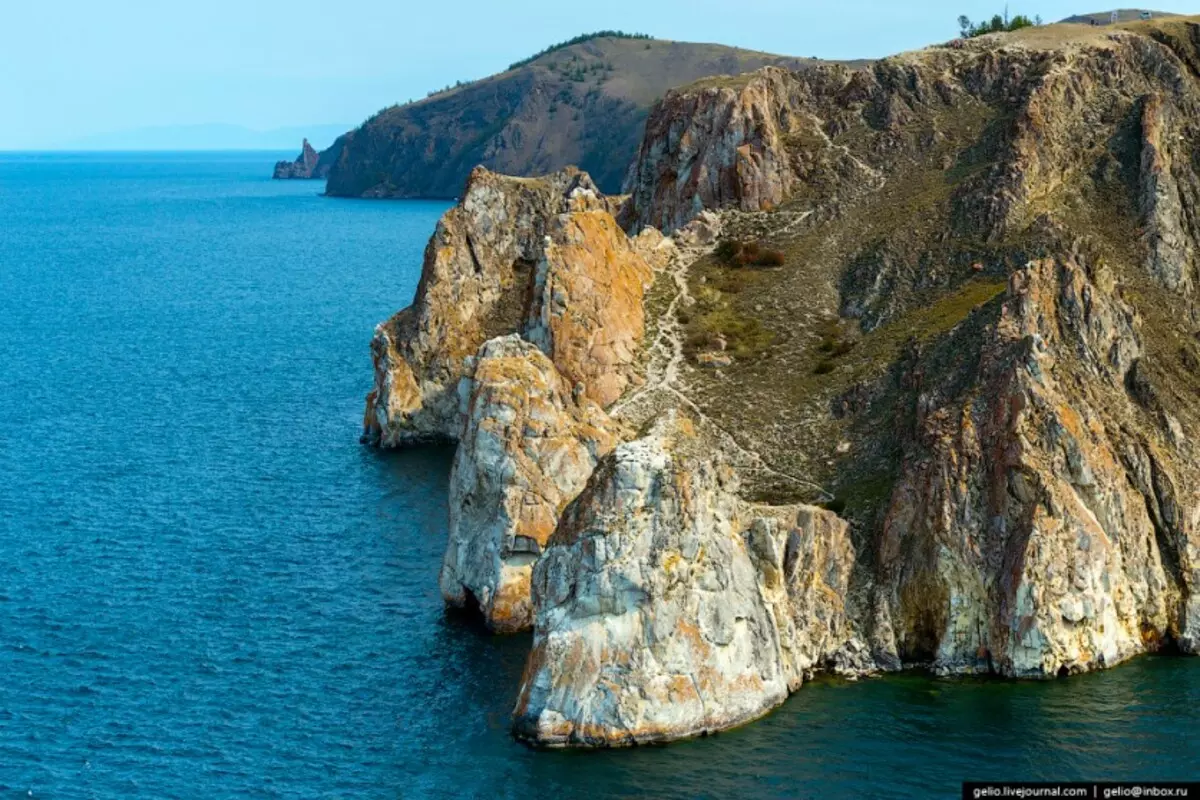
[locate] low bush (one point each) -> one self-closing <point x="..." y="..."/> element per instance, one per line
<point x="743" y="254"/>
<point x="837" y="505"/>
<point x="769" y="258"/>
<point x="841" y="348"/>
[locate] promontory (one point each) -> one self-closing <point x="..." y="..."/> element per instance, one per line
<point x="869" y="367"/>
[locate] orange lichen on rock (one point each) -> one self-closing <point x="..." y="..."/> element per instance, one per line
<point x="478" y="282"/>
<point x="590" y="287"/>
<point x="528" y="449"/>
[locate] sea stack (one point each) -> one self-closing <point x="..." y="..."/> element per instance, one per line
<point x="305" y="165"/>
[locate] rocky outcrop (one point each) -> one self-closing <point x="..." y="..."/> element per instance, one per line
<point x="305" y="165"/>
<point x="528" y="319"/>
<point x="667" y="608"/>
<point x="529" y="446"/>
<point x="732" y="143"/>
<point x="540" y="257"/>
<point x="310" y="163"/>
<point x="587" y="302"/>
<point x="1003" y="413"/>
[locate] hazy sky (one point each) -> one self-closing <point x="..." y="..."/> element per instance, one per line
<point x="72" y="68"/>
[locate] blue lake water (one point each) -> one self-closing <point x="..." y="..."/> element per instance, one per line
<point x="208" y="588"/>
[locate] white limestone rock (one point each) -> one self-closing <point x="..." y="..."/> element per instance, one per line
<point x="666" y="607"/>
<point x="528" y="448"/>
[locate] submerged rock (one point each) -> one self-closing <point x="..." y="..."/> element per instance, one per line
<point x="666" y="607"/>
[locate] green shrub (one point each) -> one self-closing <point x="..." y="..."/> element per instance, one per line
<point x="997" y="24"/>
<point x="837" y="505"/>
<point x="727" y="249"/>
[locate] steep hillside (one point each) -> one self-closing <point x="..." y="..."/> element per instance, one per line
<point x="914" y="380"/>
<point x="982" y="340"/>
<point x="581" y="105"/>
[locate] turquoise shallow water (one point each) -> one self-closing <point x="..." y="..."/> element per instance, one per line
<point x="208" y="588"/>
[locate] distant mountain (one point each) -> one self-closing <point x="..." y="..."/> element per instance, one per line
<point x="584" y="103"/>
<point x="1123" y="15"/>
<point x="206" y="137"/>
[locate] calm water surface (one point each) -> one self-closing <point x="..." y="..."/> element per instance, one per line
<point x="209" y="589"/>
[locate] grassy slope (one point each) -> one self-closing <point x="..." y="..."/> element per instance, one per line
<point x="799" y="358"/>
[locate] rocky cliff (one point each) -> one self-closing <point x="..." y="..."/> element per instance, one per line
<point x="528" y="320"/>
<point x="994" y="247"/>
<point x="528" y="446"/>
<point x="582" y="104"/>
<point x="541" y="257"/>
<point x="667" y="607"/>
<point x="913" y="381"/>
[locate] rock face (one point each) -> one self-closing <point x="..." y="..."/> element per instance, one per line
<point x="1032" y="533"/>
<point x="587" y="301"/>
<point x="1044" y="520"/>
<point x="541" y="257"/>
<point x="528" y="319"/>
<point x="730" y="143"/>
<point x="667" y="608"/>
<point x="528" y="449"/>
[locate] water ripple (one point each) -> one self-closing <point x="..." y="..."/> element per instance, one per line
<point x="211" y="590"/>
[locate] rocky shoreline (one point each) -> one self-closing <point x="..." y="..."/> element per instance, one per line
<point x="984" y="306"/>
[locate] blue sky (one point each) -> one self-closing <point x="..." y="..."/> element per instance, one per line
<point x="75" y="68"/>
